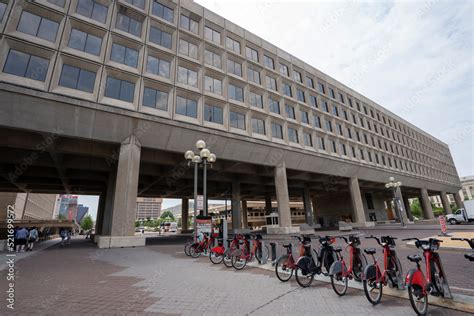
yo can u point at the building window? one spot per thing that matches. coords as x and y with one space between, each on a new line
138 3
273 106
77 79
277 131
321 88
349 133
163 11
234 67
304 117
339 129
325 106
297 76
3 8
268 62
332 93
308 140
187 76
253 75
119 89
343 150
59 3
212 59
256 100
213 85
353 152
258 126
358 108
335 110
92 9
362 154
129 24
290 112
161 38
310 82
251 53
346 117
313 101
38 26
85 42
329 126
300 95
236 93
232 44
212 35
292 135
271 83
214 114
158 67
156 99
321 143
350 102
369 200
237 120
188 49
358 136
317 122
189 24
284 70
341 97
333 146
287 90
26 65
186 107
124 55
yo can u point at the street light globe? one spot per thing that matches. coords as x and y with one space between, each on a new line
388 185
212 158
197 159
399 184
391 179
205 153
200 144
189 155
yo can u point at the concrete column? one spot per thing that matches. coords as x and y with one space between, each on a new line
459 202
268 204
109 204
283 199
445 202
356 199
426 204
316 220
235 204
99 222
406 202
245 220
308 208
184 214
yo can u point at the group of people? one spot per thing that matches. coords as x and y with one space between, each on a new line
25 238
65 235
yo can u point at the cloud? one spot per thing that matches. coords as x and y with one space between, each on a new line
415 58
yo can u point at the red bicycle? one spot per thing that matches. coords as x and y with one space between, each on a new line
203 246
374 277
286 263
240 257
468 256
340 273
219 254
435 282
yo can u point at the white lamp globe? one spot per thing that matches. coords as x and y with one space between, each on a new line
205 153
200 144
212 158
189 155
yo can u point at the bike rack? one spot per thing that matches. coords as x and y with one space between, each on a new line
273 255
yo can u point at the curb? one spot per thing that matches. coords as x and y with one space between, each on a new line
459 302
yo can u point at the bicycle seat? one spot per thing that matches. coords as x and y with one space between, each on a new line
286 245
414 258
469 256
369 251
337 249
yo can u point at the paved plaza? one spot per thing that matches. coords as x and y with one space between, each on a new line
159 279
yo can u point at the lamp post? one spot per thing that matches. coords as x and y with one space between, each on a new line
204 157
394 185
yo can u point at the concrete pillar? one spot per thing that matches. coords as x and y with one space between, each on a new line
459 202
235 204
356 199
99 222
268 204
445 202
308 209
245 220
283 199
109 204
406 202
426 204
184 214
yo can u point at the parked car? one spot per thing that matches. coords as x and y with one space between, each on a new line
173 228
462 215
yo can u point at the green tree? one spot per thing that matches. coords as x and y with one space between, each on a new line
87 223
167 214
137 223
416 209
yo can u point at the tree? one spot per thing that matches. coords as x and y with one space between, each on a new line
87 223
416 208
167 214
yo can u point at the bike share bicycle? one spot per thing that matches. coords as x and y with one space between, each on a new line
468 256
314 262
286 263
375 278
340 273
435 282
220 254
241 256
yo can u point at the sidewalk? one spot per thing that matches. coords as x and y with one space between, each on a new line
22 255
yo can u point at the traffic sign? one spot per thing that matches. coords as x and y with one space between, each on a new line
200 202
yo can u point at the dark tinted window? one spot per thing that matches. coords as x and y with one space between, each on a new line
25 65
119 89
158 67
38 26
163 11
124 55
155 99
129 25
186 107
160 37
213 114
237 120
3 7
76 78
85 42
92 9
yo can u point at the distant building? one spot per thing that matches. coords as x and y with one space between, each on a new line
81 213
467 191
148 208
28 205
67 206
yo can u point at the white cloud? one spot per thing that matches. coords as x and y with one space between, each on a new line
414 58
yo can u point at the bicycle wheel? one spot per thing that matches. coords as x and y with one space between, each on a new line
186 248
239 260
360 262
228 258
373 288
396 272
437 278
303 280
194 251
216 258
418 300
262 254
329 257
339 284
282 271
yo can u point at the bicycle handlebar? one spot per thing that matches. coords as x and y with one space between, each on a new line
469 241
373 237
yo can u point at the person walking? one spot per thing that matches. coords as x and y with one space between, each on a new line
32 238
63 234
21 237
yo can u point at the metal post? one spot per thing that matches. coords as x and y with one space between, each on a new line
195 199
204 190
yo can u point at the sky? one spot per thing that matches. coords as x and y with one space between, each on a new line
415 58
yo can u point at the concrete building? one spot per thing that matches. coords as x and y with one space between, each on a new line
28 205
81 213
67 206
467 191
100 97
148 208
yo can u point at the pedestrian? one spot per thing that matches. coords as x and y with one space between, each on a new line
63 235
32 238
68 236
22 237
